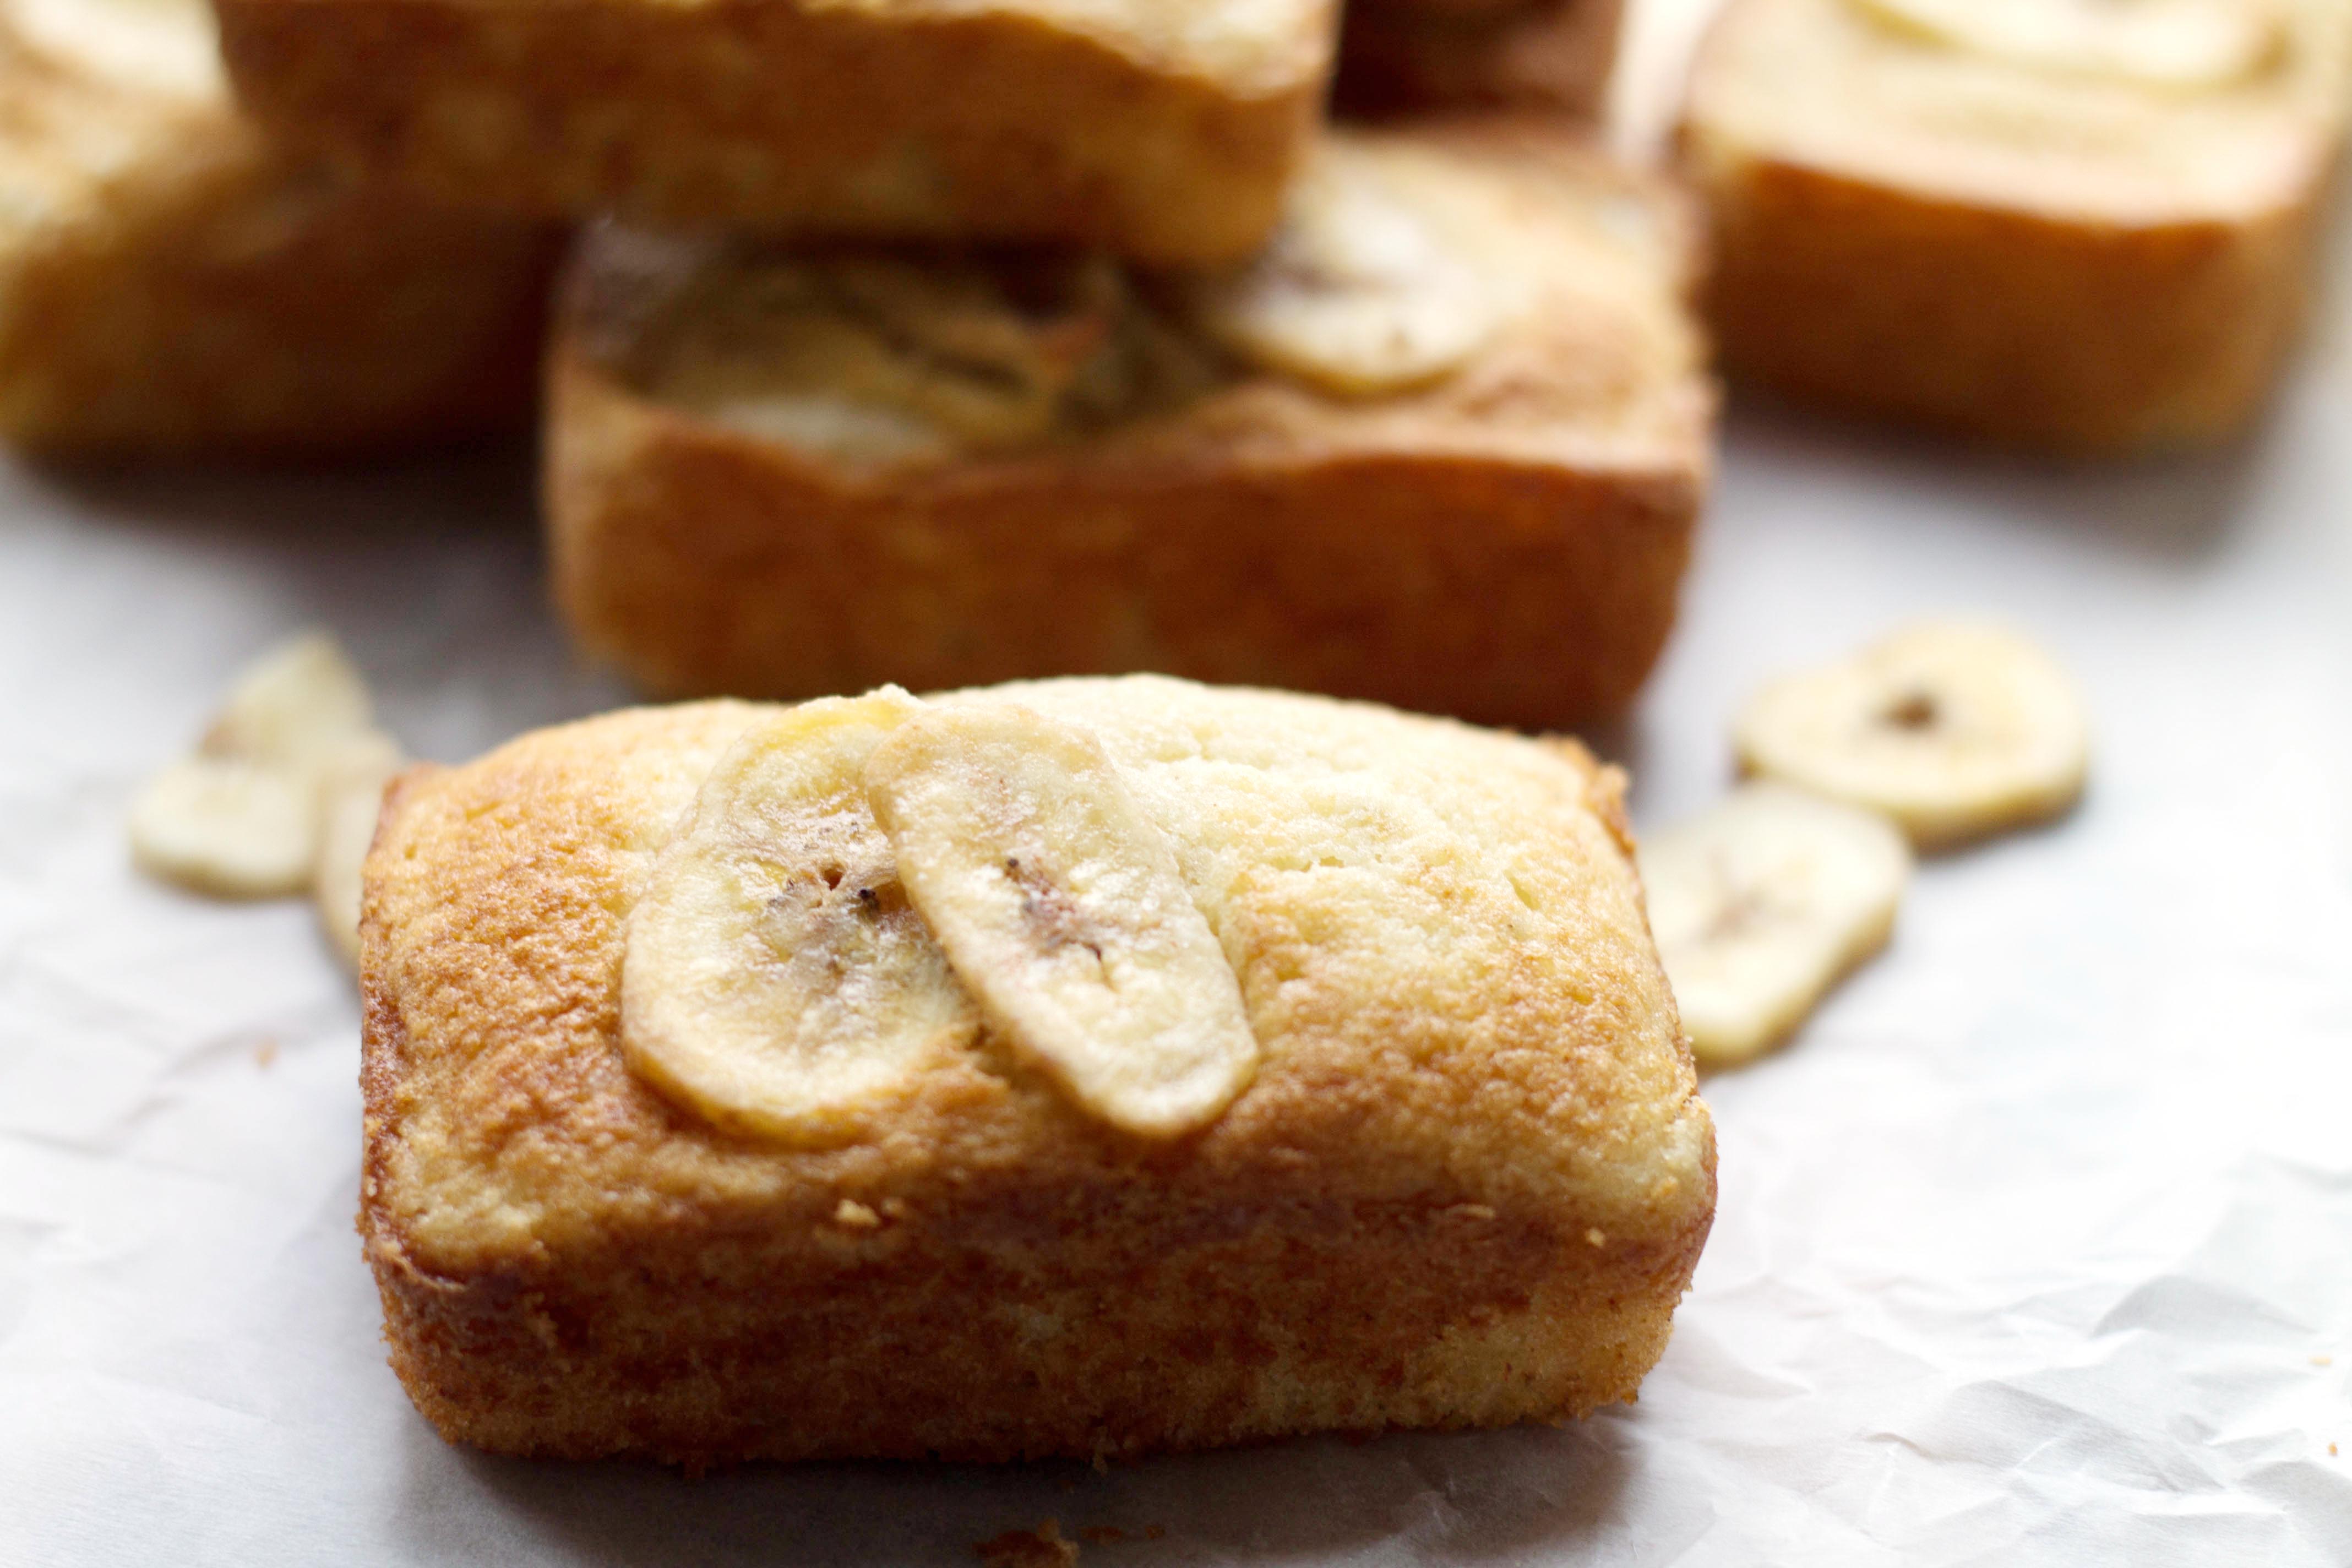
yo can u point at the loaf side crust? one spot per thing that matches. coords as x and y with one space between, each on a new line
1467 1187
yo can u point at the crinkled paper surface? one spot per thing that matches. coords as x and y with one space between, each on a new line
2036 1248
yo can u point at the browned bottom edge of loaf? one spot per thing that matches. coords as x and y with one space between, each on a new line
1502 591
684 1350
2067 337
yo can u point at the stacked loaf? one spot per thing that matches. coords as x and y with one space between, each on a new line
942 344
929 341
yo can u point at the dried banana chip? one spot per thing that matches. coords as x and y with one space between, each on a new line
776 979
1061 909
1760 904
1955 730
226 827
351 799
1362 291
2160 43
293 707
240 818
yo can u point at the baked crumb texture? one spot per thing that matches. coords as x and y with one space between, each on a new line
1911 231
169 283
1160 131
1467 1187
1410 57
1504 544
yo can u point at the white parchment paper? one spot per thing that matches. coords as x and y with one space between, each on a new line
2036 1248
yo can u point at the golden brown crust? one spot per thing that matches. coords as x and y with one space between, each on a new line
2128 277
1505 546
904 121
1413 56
170 284
1467 1187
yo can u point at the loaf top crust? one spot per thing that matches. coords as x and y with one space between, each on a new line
1603 368
1823 84
1438 930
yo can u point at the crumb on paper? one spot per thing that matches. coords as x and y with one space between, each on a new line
265 1054
2322 1361
855 1216
1043 1547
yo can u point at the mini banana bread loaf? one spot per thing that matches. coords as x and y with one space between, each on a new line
1442 445
1161 129
170 284
2064 224
1087 1067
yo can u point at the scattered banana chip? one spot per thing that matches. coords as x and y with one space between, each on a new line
2160 43
294 707
226 827
1061 909
351 797
240 818
1760 904
1955 730
776 979
1361 290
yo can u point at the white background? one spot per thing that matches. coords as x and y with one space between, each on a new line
2036 1248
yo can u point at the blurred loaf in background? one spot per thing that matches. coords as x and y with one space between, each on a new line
170 283
2072 226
